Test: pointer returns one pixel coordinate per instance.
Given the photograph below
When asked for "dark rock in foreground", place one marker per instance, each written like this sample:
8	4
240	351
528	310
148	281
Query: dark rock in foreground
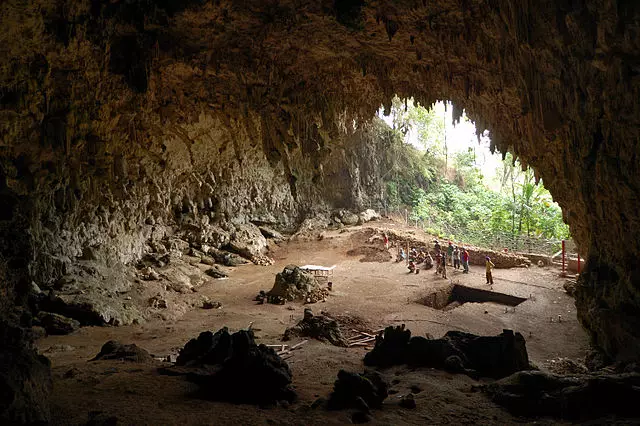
232	367
536	394
457	352
116	350
25	379
358	390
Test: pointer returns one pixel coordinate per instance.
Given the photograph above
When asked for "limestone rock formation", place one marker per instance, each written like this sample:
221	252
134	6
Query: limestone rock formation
575	397
457	352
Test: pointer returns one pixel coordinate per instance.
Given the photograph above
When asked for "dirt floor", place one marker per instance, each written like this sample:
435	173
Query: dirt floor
381	293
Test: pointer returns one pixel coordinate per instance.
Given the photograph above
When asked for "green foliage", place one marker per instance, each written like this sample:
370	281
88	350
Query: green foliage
463	207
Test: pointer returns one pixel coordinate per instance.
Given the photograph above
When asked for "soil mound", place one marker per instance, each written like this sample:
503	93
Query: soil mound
318	327
371	254
234	368
116	350
457	352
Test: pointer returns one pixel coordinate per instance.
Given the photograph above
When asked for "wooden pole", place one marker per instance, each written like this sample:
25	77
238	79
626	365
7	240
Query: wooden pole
563	257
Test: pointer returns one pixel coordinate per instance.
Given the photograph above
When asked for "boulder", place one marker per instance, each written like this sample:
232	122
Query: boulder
205	234
293	283
216	272
232	367
25	379
369	215
271	233
227	259
477	356
248	241
116	350
57	324
350	390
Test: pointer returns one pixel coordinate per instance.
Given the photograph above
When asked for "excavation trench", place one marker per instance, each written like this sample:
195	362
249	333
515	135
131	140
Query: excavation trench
455	295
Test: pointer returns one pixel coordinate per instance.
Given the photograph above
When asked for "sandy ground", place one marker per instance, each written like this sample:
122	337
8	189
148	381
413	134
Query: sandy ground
381	293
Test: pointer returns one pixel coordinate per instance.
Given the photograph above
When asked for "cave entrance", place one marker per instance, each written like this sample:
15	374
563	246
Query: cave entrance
442	174
456	295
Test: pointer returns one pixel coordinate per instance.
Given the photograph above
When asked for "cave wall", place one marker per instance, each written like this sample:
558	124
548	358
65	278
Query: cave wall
111	111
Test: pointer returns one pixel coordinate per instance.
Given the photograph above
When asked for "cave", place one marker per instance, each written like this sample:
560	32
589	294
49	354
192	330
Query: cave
128	122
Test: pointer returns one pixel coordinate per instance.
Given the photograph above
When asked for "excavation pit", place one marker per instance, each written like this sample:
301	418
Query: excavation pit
455	295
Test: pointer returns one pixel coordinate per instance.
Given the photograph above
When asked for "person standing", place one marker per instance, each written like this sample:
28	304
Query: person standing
386	241
489	266
450	253
456	257
436	248
465	261
444	265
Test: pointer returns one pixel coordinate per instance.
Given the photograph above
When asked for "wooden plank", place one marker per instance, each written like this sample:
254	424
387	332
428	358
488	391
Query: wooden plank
297	345
366	341
363	333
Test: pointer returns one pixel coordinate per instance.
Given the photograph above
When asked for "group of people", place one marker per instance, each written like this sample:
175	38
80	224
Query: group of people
453	256
457	257
416	257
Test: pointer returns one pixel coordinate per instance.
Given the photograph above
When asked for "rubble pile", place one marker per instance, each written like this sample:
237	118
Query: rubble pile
262	260
575	397
234	368
294	283
116	350
318	327
457	352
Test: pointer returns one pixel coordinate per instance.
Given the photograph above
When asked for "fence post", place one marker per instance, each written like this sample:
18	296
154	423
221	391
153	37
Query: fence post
578	263
563	258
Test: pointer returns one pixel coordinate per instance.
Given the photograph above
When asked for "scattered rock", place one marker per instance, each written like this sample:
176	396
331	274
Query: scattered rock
116	350
570	287
487	356
158	302
262	260
207	260
233	368
578	398
317	327
216	272
351	389
210	304
408	402
57	324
